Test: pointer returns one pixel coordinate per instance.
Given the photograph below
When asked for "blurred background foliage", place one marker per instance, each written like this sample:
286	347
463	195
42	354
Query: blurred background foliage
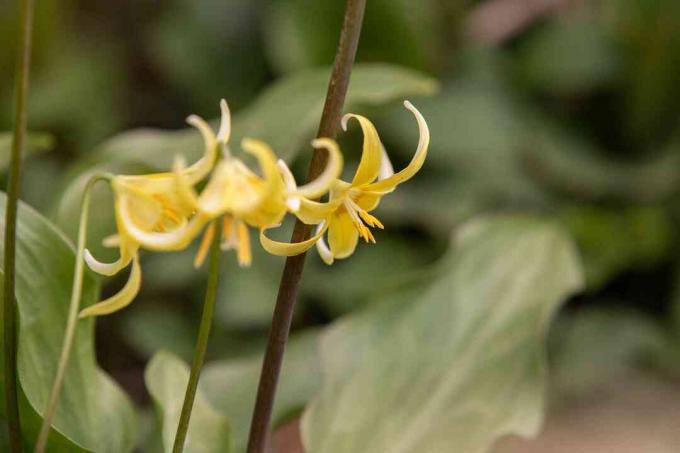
565	108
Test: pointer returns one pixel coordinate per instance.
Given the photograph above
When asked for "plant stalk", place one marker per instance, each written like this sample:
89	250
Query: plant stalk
292	271
201	342
9	298
72	320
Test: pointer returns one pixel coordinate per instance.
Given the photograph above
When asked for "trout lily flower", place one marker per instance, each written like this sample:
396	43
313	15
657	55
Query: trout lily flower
239	196
149	204
346	215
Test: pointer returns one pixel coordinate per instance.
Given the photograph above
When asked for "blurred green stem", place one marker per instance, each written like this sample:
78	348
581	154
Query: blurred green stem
74	306
201	342
292	271
9	298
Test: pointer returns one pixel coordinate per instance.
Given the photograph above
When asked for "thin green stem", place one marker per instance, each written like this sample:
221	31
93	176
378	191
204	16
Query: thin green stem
9	299
72	321
292	271
201	342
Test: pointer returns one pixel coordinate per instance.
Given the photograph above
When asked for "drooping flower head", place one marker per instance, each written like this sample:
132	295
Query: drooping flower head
346	215
237	194
149	204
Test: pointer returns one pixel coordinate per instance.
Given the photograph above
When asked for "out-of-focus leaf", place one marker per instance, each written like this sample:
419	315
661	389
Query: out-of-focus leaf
648	34
166	378
595	346
284	116
351	284
45	261
78	92
588	58
36	142
460	363
612	241
232	385
220	50
300	35
563	161
152	329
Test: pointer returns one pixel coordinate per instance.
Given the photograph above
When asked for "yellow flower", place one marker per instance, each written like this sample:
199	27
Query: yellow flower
149	204
237	194
345	216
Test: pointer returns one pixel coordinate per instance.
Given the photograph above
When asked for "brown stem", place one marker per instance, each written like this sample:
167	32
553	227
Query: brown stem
9	300
292	271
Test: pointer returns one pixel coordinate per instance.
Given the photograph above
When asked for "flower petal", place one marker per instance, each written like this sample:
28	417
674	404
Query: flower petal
386	168
321	247
320	185
290	248
287	175
224	133
342	234
369	166
201	168
184	190
120	299
313	212
109	269
173	240
388	184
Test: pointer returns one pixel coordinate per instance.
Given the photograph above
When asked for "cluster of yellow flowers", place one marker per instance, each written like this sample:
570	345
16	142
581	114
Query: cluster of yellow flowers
164	211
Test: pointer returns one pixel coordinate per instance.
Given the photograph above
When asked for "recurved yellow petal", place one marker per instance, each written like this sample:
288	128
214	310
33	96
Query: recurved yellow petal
314	212
166	241
388	184
342	234
201	168
109	269
369	165
289	248
321	247
320	185
120	299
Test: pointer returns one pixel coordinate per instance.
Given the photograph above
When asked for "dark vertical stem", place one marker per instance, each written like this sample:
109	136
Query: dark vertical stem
292	271
9	300
201	341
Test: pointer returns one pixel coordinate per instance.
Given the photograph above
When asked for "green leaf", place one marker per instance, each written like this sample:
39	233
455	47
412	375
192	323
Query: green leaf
615	240
35	143
595	346
285	116
588	57
94	414
565	161
460	363
232	385
166	377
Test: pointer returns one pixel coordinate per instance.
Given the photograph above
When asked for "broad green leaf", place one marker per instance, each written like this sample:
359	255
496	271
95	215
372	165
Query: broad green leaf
593	347
563	160
588	57
285	116
454	366
166	377
94	414
232	385
615	240
36	143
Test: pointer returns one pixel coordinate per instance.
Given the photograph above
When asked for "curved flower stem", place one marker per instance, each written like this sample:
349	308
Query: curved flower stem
201	342
9	305
74	306
292	272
